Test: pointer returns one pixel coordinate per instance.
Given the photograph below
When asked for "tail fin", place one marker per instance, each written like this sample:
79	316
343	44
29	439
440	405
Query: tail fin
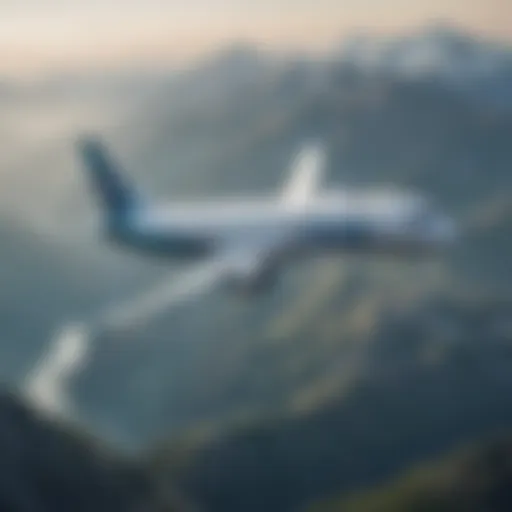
115	194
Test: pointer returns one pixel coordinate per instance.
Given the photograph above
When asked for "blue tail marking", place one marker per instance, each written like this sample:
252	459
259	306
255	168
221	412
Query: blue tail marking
116	195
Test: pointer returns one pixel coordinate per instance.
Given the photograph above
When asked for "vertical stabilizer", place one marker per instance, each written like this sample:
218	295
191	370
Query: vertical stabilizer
115	195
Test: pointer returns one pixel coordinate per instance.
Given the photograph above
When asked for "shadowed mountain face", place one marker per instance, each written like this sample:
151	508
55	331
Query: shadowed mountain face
431	376
45	467
474	479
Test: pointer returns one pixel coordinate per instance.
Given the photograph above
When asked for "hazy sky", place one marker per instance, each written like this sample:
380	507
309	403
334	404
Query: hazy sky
38	35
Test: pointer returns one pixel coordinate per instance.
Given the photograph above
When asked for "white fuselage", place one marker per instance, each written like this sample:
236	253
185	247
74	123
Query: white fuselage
344	222
252	237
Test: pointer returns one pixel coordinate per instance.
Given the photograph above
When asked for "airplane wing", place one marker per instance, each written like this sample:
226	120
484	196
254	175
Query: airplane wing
243	262
307	171
167	293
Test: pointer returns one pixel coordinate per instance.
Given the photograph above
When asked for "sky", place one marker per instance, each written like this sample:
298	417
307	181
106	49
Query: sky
58	35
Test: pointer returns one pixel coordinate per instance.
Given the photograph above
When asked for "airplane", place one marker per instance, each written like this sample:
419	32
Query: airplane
244	242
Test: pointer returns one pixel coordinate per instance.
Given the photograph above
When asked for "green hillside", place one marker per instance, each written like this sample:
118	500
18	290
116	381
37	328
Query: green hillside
475	479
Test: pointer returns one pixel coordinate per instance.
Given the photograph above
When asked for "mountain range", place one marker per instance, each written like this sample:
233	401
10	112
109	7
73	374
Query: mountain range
476	67
350	371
